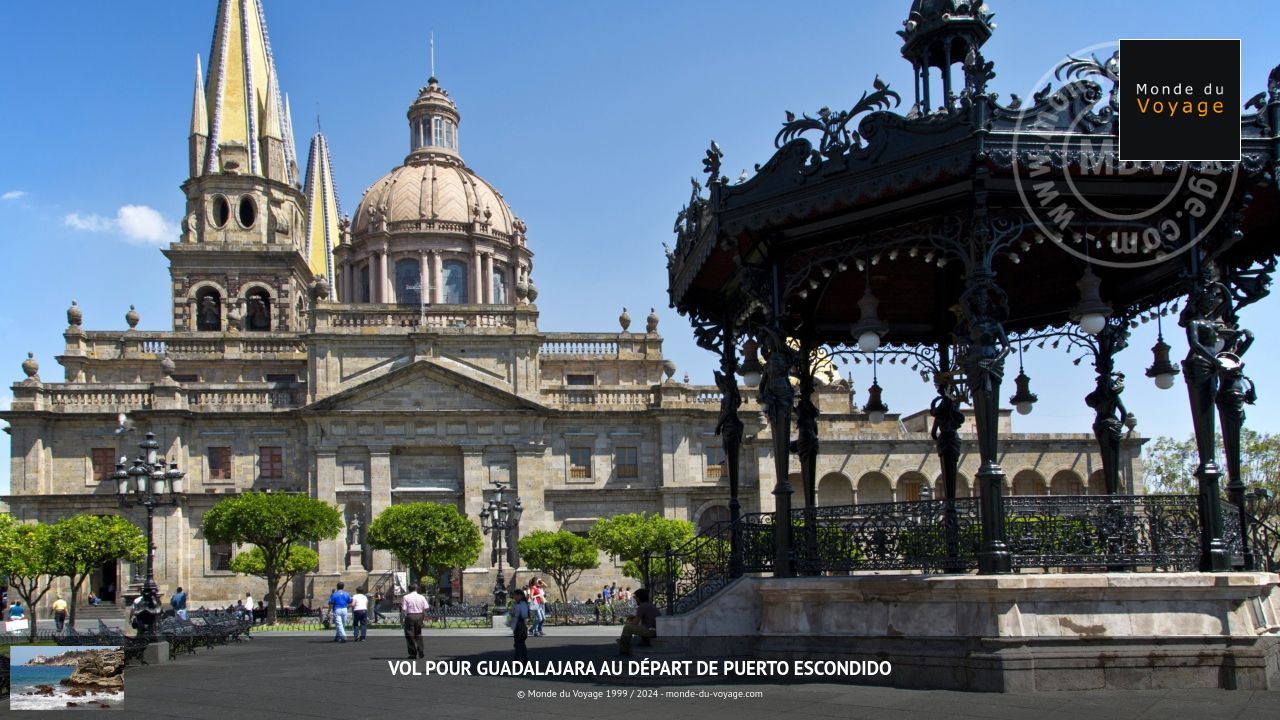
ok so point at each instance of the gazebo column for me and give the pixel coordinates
(984, 304)
(729, 428)
(1234, 391)
(1109, 412)
(1200, 370)
(777, 396)
(806, 449)
(947, 420)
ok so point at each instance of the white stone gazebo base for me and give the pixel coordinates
(1007, 633)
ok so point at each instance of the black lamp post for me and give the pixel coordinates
(499, 518)
(148, 484)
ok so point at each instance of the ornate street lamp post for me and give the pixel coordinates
(499, 518)
(148, 484)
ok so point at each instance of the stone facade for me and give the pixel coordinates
(406, 364)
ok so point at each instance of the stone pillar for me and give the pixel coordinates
(379, 497)
(389, 276)
(437, 271)
(477, 291)
(488, 278)
(384, 286)
(332, 551)
(477, 580)
(424, 278)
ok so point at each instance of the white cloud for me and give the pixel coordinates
(91, 223)
(145, 225)
(13, 195)
(137, 224)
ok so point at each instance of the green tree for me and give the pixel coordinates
(276, 523)
(84, 542)
(632, 536)
(562, 555)
(1170, 465)
(28, 557)
(426, 537)
(298, 560)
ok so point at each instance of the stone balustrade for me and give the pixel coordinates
(125, 398)
(702, 397)
(106, 345)
(374, 317)
(581, 348)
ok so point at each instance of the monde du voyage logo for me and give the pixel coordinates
(1172, 114)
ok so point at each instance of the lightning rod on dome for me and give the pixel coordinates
(433, 54)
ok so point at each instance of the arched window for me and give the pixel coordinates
(454, 279)
(1029, 482)
(437, 130)
(450, 139)
(874, 488)
(1066, 482)
(209, 310)
(362, 282)
(257, 316)
(408, 282)
(712, 516)
(909, 486)
(499, 285)
(835, 489)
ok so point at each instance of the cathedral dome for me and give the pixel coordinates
(431, 230)
(434, 190)
(434, 193)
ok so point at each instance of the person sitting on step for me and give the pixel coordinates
(644, 623)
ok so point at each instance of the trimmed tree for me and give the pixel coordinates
(84, 542)
(632, 536)
(426, 537)
(276, 523)
(299, 560)
(28, 556)
(562, 555)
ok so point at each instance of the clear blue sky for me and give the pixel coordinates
(589, 117)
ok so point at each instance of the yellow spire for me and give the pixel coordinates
(323, 211)
(199, 118)
(242, 96)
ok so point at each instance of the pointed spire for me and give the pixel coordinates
(322, 211)
(271, 117)
(199, 117)
(290, 147)
(242, 97)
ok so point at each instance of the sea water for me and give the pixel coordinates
(26, 679)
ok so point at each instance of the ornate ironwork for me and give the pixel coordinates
(890, 536)
(1146, 532)
(692, 573)
(837, 139)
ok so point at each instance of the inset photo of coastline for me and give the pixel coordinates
(66, 677)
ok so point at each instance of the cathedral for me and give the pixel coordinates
(394, 356)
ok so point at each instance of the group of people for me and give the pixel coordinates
(611, 593)
(343, 605)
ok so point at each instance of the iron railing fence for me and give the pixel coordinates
(1075, 533)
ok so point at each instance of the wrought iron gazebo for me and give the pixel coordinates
(953, 235)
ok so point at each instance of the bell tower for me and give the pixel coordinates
(241, 262)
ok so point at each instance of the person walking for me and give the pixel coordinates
(376, 607)
(519, 618)
(359, 615)
(59, 613)
(413, 608)
(537, 605)
(246, 607)
(339, 601)
(179, 603)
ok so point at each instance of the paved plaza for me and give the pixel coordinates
(309, 676)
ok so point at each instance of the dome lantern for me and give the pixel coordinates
(433, 122)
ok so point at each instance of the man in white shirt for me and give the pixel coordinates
(246, 607)
(413, 609)
(359, 615)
